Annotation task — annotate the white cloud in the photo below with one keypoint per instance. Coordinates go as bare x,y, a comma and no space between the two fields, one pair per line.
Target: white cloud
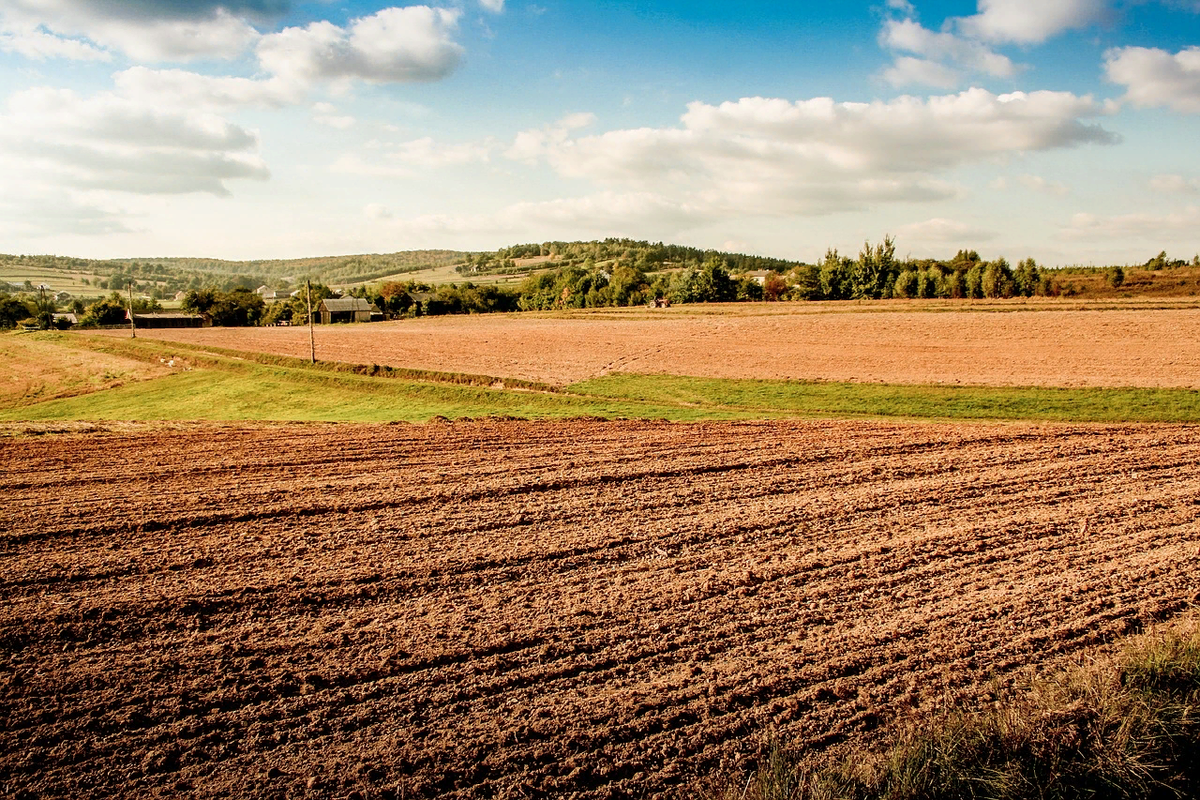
31,42
529,146
110,142
941,231
1154,227
910,37
494,6
394,45
909,71
142,30
183,89
1154,77
1174,184
773,156
1029,21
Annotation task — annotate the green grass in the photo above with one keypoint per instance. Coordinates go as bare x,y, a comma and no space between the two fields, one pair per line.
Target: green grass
1128,728
884,400
233,385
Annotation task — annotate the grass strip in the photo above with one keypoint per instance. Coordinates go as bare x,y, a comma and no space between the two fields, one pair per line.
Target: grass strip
832,399
230,388
1127,729
155,349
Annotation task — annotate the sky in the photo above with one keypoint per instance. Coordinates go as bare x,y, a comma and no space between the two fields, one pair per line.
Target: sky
1063,130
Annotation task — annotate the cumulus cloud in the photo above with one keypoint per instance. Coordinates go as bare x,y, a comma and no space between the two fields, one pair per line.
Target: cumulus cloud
110,142
494,6
1154,77
812,156
941,230
394,45
1029,21
1154,227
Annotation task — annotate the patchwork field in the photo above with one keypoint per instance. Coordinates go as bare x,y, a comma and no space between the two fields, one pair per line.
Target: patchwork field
511,609
1001,343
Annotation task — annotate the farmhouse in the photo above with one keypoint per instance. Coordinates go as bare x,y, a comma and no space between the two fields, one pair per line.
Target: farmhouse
347,309
169,319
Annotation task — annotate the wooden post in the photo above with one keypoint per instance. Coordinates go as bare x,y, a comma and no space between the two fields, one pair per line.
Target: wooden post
312,342
132,327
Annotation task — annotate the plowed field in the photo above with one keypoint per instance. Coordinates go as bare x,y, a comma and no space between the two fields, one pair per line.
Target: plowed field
507,609
1039,344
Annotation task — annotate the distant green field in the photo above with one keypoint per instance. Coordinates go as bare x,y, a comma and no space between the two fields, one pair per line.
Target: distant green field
215,384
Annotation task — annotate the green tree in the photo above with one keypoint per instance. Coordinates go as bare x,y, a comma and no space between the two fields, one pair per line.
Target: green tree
997,279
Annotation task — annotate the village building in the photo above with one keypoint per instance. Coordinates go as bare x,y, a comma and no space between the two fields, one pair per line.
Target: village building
347,309
169,319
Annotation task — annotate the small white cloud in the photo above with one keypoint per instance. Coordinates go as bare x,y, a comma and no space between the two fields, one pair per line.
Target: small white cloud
1174,184
530,145
1154,77
903,6
494,6
1029,21
376,211
406,159
395,45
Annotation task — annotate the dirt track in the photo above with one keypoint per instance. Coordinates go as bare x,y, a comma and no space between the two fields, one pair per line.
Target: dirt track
798,341
510,609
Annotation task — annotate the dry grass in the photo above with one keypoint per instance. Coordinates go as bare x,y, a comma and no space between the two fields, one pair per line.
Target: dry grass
38,368
1128,727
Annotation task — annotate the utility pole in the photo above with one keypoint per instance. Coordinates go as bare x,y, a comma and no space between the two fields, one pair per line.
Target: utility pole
312,342
132,327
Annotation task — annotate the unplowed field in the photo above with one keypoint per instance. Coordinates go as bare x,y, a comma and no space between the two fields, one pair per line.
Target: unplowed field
507,609
1015,345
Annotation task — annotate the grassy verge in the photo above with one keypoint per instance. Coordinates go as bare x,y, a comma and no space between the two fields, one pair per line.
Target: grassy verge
1126,729
207,385
883,400
171,381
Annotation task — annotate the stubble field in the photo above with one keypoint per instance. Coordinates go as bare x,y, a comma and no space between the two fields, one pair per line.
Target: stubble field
511,609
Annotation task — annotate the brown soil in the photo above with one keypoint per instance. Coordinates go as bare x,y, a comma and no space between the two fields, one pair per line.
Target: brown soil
508,609
1035,344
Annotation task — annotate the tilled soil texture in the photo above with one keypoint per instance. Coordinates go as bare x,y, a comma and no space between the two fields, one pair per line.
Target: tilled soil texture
507,609
1013,344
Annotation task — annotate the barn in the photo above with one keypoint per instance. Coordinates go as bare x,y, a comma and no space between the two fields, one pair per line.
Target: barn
169,319
347,309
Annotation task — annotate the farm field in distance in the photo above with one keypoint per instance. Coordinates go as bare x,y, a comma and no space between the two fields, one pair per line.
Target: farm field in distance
1009,343
415,611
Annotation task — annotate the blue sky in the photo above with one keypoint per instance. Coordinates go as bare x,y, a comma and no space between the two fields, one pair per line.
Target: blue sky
1059,129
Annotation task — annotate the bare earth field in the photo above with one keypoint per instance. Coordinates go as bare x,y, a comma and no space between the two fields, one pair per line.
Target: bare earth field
509,609
1016,344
